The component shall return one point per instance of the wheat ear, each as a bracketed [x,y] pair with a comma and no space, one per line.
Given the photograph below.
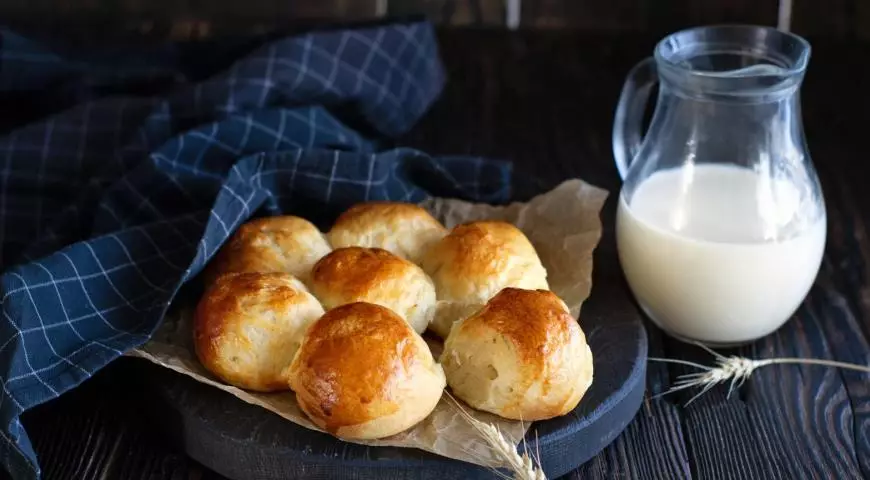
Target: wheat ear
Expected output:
[736,370]
[523,466]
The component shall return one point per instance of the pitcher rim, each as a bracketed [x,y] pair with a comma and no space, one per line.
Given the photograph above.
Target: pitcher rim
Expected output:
[799,66]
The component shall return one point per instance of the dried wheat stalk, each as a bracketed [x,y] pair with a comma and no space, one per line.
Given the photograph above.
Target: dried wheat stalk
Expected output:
[736,370]
[523,466]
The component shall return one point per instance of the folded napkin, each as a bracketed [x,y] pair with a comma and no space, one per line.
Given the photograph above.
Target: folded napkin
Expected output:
[110,205]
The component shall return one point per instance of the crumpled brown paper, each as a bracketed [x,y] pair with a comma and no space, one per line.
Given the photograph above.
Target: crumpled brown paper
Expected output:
[564,226]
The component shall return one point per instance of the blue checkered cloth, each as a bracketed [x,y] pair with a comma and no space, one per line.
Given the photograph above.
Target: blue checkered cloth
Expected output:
[109,206]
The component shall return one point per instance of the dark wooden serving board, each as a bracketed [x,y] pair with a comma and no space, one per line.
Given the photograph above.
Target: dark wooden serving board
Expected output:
[246,442]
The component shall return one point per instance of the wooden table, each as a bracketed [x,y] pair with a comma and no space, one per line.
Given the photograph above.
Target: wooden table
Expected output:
[545,101]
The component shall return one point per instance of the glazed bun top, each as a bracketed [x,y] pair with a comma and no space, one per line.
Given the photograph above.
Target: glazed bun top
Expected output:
[248,327]
[474,262]
[363,373]
[373,275]
[404,229]
[523,357]
[270,244]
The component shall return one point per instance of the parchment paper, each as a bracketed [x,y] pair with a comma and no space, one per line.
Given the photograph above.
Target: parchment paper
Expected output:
[564,226]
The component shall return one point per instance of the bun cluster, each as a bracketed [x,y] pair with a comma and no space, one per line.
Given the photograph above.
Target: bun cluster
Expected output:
[338,318]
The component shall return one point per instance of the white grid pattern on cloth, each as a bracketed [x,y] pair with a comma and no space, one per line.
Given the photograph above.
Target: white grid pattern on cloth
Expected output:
[143,212]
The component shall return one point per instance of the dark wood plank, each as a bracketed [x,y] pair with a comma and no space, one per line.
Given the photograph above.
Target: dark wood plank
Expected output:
[653,17]
[672,15]
[334,9]
[452,12]
[591,15]
[98,431]
[200,19]
[834,18]
[843,19]
[90,22]
[653,446]
[845,298]
[102,21]
[788,422]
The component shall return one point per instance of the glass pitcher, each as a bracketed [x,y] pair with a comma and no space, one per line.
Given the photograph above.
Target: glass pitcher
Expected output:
[721,223]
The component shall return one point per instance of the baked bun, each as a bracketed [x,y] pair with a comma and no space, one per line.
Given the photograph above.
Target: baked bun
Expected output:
[270,244]
[362,373]
[248,326]
[522,357]
[473,263]
[356,274]
[401,228]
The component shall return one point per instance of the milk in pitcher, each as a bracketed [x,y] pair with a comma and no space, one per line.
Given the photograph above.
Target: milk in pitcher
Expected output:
[708,259]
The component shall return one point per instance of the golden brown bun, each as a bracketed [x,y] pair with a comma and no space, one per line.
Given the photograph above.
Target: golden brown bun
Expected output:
[473,263]
[248,327]
[522,357]
[356,274]
[401,228]
[271,244]
[362,373]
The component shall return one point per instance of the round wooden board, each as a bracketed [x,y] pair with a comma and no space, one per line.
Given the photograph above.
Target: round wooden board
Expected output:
[245,442]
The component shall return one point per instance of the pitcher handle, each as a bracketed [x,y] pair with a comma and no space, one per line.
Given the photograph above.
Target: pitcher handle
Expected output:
[629,113]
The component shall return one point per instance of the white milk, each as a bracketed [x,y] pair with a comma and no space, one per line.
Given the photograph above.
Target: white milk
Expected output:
[707,260]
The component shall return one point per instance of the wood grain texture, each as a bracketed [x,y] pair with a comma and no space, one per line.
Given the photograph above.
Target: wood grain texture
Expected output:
[452,12]
[94,22]
[100,433]
[651,17]
[837,18]
[590,15]
[197,19]
[545,100]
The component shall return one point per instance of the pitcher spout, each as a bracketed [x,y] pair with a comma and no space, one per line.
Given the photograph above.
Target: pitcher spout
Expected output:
[737,60]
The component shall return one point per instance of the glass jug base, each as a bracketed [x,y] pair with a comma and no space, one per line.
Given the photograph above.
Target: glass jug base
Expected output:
[696,341]
[706,343]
